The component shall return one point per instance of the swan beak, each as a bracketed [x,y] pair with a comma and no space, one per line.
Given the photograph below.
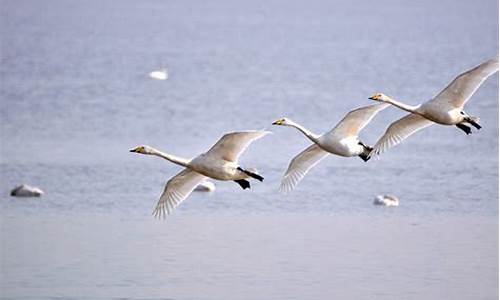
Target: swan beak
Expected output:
[275,123]
[278,122]
[372,98]
[132,150]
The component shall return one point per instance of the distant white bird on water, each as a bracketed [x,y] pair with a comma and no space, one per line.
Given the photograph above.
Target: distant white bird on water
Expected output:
[159,75]
[205,186]
[447,108]
[25,190]
[386,200]
[220,162]
[342,140]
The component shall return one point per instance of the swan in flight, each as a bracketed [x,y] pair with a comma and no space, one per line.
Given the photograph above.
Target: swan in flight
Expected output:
[342,140]
[220,162]
[160,74]
[447,108]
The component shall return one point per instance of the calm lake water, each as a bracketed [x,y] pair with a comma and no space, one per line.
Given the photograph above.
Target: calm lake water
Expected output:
[75,97]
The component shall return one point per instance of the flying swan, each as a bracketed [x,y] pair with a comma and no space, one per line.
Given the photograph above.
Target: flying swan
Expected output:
[220,162]
[342,140]
[447,108]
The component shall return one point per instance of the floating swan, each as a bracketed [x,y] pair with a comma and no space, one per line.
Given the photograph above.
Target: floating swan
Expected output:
[220,162]
[25,190]
[446,108]
[342,140]
[205,186]
[387,200]
[160,74]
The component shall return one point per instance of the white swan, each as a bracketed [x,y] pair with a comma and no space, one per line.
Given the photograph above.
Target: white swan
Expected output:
[446,108]
[342,140]
[25,190]
[205,186]
[386,200]
[220,162]
[160,74]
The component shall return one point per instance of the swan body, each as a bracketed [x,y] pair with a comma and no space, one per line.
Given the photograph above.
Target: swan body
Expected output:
[25,190]
[205,186]
[386,200]
[342,140]
[346,147]
[447,108]
[219,162]
[159,75]
[219,169]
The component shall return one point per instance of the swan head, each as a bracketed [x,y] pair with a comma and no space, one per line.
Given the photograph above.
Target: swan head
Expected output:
[142,150]
[283,122]
[380,97]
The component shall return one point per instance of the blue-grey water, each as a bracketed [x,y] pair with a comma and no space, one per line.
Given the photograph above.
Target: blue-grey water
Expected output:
[75,96]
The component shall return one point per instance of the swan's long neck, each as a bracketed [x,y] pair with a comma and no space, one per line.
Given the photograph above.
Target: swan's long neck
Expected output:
[403,106]
[175,159]
[313,137]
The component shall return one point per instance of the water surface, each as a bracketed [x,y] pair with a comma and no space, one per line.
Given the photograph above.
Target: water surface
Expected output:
[75,96]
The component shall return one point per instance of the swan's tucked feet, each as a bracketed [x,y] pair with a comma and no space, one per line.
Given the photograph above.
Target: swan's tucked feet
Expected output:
[364,157]
[251,174]
[366,154]
[465,128]
[474,122]
[243,183]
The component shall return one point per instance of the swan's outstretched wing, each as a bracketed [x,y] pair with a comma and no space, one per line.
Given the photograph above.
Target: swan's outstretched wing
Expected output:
[233,144]
[459,91]
[300,165]
[176,190]
[357,119]
[400,130]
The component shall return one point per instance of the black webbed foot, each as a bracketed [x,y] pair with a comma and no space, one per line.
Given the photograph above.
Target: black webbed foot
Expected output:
[465,128]
[243,183]
[364,157]
[366,153]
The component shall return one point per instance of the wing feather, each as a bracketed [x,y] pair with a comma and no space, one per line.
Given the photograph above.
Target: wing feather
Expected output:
[357,119]
[176,190]
[459,91]
[233,144]
[300,165]
[399,131]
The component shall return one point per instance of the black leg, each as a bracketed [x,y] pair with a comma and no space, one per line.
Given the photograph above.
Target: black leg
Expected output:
[473,123]
[465,128]
[253,175]
[365,146]
[243,183]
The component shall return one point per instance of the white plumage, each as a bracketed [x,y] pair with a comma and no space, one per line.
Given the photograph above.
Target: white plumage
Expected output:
[205,186]
[386,200]
[25,190]
[446,108]
[342,140]
[220,162]
[159,75]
